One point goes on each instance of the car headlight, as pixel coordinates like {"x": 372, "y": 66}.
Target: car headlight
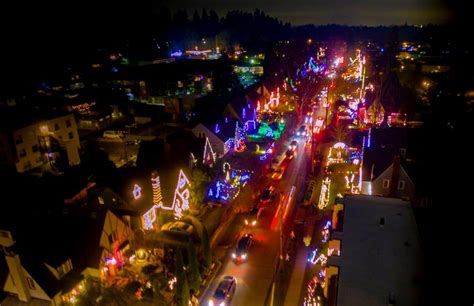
{"x": 246, "y": 222}
{"x": 211, "y": 303}
{"x": 244, "y": 256}
{"x": 298, "y": 133}
{"x": 222, "y": 304}
{"x": 233, "y": 255}
{"x": 254, "y": 222}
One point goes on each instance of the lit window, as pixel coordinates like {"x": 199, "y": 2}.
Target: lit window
{"x": 401, "y": 185}
{"x": 71, "y": 135}
{"x": 386, "y": 184}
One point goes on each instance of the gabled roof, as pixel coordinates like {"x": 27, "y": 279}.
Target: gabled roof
{"x": 225, "y": 130}
{"x": 241, "y": 108}
{"x": 376, "y": 161}
{"x": 52, "y": 240}
{"x": 183, "y": 142}
{"x": 168, "y": 173}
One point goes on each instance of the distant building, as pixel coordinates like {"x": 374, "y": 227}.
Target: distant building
{"x": 375, "y": 253}
{"x": 31, "y": 142}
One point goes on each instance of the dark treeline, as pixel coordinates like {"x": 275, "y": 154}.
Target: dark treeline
{"x": 171, "y": 31}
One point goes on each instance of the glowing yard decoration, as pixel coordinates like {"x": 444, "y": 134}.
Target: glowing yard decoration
{"x": 149, "y": 218}
{"x": 239, "y": 145}
{"x": 248, "y": 123}
{"x": 209, "y": 156}
{"x": 312, "y": 256}
{"x": 322, "y": 259}
{"x": 217, "y": 129}
{"x": 181, "y": 195}
{"x": 137, "y": 191}
{"x": 340, "y": 145}
{"x": 325, "y": 234}
{"x": 225, "y": 167}
{"x": 324, "y": 195}
{"x": 172, "y": 282}
{"x": 328, "y": 224}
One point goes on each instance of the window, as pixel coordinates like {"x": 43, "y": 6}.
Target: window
{"x": 401, "y": 185}
{"x": 386, "y": 184}
{"x": 19, "y": 139}
{"x": 70, "y": 135}
{"x": 56, "y": 127}
{"x": 22, "y": 153}
{"x": 31, "y": 283}
{"x": 111, "y": 238}
{"x": 34, "y": 148}
{"x": 68, "y": 123}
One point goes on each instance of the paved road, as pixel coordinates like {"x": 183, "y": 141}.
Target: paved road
{"x": 255, "y": 275}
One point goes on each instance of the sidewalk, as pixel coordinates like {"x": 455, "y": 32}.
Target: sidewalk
{"x": 297, "y": 275}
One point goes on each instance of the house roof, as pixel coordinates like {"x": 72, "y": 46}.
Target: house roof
{"x": 242, "y": 108}
{"x": 376, "y": 161}
{"x": 183, "y": 142}
{"x": 226, "y": 130}
{"x": 376, "y": 259}
{"x": 54, "y": 239}
{"x": 168, "y": 172}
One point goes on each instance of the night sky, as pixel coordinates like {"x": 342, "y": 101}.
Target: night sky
{"x": 350, "y": 12}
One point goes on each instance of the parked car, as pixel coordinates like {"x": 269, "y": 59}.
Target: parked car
{"x": 243, "y": 247}
{"x": 224, "y": 292}
{"x": 112, "y": 135}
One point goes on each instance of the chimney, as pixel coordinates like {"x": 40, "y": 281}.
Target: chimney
{"x": 395, "y": 176}
{"x": 14, "y": 266}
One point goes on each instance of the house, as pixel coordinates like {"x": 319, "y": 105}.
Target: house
{"x": 165, "y": 190}
{"x": 220, "y": 135}
{"x": 374, "y": 255}
{"x": 31, "y": 140}
{"x": 52, "y": 262}
{"x": 380, "y": 177}
{"x": 389, "y": 149}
